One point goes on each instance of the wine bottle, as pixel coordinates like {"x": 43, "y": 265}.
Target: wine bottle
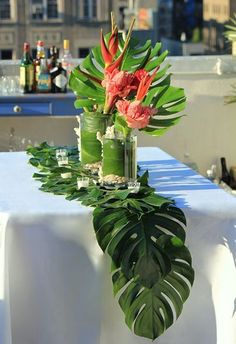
{"x": 66, "y": 59}
{"x": 53, "y": 58}
{"x": 39, "y": 55}
{"x": 225, "y": 176}
{"x": 26, "y": 70}
{"x": 233, "y": 177}
{"x": 44, "y": 77}
{"x": 59, "y": 79}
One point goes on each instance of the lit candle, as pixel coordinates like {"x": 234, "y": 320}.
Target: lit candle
{"x": 134, "y": 187}
{"x": 62, "y": 161}
{"x": 66, "y": 175}
{"x": 82, "y": 182}
{"x": 61, "y": 153}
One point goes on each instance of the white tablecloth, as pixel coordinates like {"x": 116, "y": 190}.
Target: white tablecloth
{"x": 56, "y": 287}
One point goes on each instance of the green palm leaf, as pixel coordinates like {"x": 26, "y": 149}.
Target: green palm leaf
{"x": 151, "y": 266}
{"x": 91, "y": 68}
{"x": 230, "y": 33}
{"x": 169, "y": 101}
{"x": 84, "y": 87}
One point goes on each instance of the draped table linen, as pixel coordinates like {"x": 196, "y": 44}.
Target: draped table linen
{"x": 55, "y": 281}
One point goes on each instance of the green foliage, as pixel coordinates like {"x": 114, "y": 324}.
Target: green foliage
{"x": 232, "y": 97}
{"x": 230, "y": 32}
{"x": 144, "y": 235}
{"x": 167, "y": 99}
{"x": 121, "y": 125}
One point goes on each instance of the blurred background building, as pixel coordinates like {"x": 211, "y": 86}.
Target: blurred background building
{"x": 216, "y": 14}
{"x": 185, "y": 27}
{"x": 51, "y": 21}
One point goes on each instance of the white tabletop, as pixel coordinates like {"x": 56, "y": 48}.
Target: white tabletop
{"x": 57, "y": 287}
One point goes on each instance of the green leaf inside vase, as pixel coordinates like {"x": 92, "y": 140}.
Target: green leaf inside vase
{"x": 90, "y": 147}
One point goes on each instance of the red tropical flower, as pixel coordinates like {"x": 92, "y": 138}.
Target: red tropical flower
{"x": 113, "y": 42}
{"x": 106, "y": 54}
{"x": 118, "y": 84}
{"x": 110, "y": 66}
{"x": 136, "y": 115}
{"x": 138, "y": 76}
{"x": 144, "y": 84}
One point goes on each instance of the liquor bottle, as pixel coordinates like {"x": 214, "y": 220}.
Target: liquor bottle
{"x": 26, "y": 70}
{"x": 44, "y": 77}
{"x": 211, "y": 174}
{"x": 59, "y": 79}
{"x": 66, "y": 59}
{"x": 53, "y": 58}
{"x": 40, "y": 55}
{"x": 225, "y": 176}
{"x": 233, "y": 177}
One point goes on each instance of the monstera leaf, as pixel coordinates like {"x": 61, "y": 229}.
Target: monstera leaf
{"x": 230, "y": 32}
{"x": 151, "y": 266}
{"x": 150, "y": 311}
{"x": 86, "y": 80}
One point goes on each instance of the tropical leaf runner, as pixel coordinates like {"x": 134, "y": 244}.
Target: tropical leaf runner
{"x": 144, "y": 235}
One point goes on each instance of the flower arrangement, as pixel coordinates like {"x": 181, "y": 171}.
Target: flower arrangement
{"x": 124, "y": 80}
{"x": 124, "y": 87}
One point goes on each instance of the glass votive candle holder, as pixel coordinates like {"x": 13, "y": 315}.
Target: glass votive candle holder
{"x": 82, "y": 182}
{"x": 134, "y": 186}
{"x": 66, "y": 175}
{"x": 62, "y": 152}
{"x": 62, "y": 160}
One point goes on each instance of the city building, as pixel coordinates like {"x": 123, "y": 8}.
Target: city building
{"x": 216, "y": 14}
{"x": 164, "y": 21}
{"x": 52, "y": 21}
{"x": 80, "y": 22}
{"x": 179, "y": 26}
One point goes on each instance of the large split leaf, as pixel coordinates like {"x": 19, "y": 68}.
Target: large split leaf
{"x": 150, "y": 311}
{"x": 151, "y": 266}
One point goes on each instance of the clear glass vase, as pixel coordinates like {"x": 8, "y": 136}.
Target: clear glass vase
{"x": 90, "y": 149}
{"x": 119, "y": 161}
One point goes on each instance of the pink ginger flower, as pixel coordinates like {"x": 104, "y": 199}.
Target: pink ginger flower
{"x": 118, "y": 84}
{"x": 136, "y": 115}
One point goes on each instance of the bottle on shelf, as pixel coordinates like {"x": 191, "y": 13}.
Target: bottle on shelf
{"x": 66, "y": 58}
{"x": 233, "y": 177}
{"x": 44, "y": 77}
{"x": 211, "y": 174}
{"x": 53, "y": 57}
{"x": 225, "y": 176}
{"x": 59, "y": 79}
{"x": 37, "y": 62}
{"x": 26, "y": 71}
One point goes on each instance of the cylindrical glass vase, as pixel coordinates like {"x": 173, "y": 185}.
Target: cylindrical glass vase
{"x": 89, "y": 146}
{"x": 119, "y": 161}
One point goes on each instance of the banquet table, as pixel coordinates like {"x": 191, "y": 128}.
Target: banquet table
{"x": 55, "y": 281}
